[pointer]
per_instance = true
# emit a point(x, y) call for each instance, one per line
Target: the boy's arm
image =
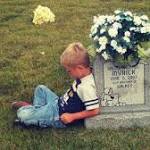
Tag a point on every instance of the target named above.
point(70, 117)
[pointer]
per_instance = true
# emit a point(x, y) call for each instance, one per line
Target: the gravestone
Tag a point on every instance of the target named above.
point(124, 95)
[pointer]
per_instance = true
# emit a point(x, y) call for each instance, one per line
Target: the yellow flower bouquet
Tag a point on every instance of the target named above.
point(43, 15)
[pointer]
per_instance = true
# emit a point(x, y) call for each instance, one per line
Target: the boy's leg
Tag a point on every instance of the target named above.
point(43, 96)
point(44, 112)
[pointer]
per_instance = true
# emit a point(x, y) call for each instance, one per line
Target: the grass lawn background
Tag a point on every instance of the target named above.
point(23, 67)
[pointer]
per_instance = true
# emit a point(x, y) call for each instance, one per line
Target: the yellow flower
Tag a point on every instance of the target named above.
point(43, 15)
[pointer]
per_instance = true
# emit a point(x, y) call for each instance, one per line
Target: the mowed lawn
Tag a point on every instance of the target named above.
point(23, 66)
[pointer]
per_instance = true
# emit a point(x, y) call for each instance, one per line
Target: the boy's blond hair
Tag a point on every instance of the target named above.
point(75, 54)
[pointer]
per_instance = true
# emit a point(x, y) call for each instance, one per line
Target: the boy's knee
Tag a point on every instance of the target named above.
point(23, 115)
point(41, 88)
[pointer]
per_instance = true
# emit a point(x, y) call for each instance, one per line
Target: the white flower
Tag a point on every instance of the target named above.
point(101, 20)
point(43, 15)
point(103, 40)
point(117, 11)
point(105, 55)
point(95, 19)
point(137, 29)
point(113, 44)
point(144, 17)
point(113, 32)
point(144, 23)
point(95, 38)
point(117, 25)
point(146, 28)
point(97, 50)
point(103, 47)
point(137, 20)
point(94, 29)
point(127, 33)
point(102, 31)
point(132, 29)
point(126, 39)
point(143, 30)
point(116, 33)
point(121, 50)
point(110, 19)
point(124, 50)
point(117, 18)
point(128, 13)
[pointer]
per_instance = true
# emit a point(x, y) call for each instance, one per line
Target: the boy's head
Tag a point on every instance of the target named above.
point(75, 59)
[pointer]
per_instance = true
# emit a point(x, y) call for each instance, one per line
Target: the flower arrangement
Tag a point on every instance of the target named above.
point(43, 15)
point(117, 37)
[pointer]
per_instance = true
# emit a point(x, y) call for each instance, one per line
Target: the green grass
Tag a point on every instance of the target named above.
point(22, 68)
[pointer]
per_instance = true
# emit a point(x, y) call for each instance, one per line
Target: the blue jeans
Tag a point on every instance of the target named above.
point(44, 112)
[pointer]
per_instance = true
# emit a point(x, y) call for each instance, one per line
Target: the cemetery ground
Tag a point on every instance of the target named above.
point(29, 55)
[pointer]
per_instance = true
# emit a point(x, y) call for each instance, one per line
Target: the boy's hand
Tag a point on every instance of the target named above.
point(70, 117)
point(66, 118)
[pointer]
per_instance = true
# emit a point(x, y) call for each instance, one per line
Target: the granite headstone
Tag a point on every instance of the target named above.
point(124, 95)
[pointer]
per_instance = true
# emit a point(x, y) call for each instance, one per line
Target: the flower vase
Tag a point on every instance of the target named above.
point(122, 61)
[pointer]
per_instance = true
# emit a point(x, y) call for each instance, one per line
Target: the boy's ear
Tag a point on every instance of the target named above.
point(80, 66)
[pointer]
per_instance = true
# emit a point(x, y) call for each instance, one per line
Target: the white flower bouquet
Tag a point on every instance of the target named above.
point(117, 37)
point(43, 15)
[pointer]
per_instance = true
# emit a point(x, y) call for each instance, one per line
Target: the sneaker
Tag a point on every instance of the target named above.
point(19, 124)
point(17, 105)
point(16, 122)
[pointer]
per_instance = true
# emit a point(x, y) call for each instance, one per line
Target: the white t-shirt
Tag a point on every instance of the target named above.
point(86, 90)
point(81, 96)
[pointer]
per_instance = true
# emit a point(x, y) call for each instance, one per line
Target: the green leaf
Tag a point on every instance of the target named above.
point(91, 50)
point(144, 51)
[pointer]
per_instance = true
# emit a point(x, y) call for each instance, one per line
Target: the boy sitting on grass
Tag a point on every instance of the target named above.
point(78, 103)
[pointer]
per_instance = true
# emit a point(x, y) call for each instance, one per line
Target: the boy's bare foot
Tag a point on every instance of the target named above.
point(17, 105)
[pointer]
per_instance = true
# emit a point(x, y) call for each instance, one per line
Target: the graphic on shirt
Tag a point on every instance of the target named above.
point(70, 101)
point(82, 95)
point(65, 97)
point(70, 93)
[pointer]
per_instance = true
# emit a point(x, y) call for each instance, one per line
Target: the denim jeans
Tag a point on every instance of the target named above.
point(44, 112)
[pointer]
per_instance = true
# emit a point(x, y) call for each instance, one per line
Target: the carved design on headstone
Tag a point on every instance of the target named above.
point(109, 98)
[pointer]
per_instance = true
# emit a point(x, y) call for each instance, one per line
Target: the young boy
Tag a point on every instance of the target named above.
point(78, 103)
